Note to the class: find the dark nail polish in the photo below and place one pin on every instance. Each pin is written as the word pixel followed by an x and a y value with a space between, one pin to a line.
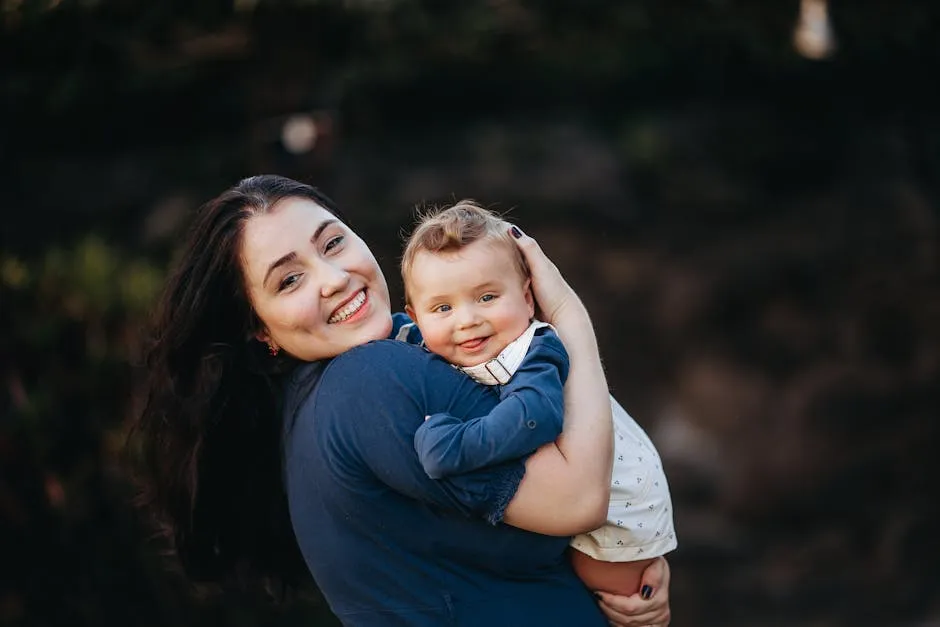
pixel 646 592
pixel 515 232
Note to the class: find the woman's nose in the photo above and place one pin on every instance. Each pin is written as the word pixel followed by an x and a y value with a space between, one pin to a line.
pixel 335 280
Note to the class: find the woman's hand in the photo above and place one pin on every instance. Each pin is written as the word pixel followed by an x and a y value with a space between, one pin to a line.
pixel 634 610
pixel 552 293
pixel 566 487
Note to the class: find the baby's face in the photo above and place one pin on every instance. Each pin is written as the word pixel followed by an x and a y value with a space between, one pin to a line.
pixel 469 304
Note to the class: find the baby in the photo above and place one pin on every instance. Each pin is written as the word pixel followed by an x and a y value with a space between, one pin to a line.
pixel 467 287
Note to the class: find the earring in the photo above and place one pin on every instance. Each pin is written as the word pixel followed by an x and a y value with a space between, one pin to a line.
pixel 273 350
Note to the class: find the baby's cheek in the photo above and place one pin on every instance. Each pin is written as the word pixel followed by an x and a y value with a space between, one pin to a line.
pixel 515 322
pixel 436 343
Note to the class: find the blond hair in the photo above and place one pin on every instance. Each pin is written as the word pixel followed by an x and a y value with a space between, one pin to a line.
pixel 451 228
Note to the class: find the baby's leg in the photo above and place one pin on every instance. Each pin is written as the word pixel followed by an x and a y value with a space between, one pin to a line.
pixel 615 577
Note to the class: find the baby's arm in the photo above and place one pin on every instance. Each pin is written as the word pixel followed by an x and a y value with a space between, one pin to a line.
pixel 530 413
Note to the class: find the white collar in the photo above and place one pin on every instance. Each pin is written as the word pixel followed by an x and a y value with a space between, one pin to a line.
pixel 499 370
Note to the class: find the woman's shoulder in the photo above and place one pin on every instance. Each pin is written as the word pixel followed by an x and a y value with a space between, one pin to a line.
pixel 352 383
pixel 377 352
pixel 384 363
pixel 375 359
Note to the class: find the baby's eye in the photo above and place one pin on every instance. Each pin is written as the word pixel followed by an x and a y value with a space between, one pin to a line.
pixel 289 281
pixel 488 297
pixel 441 309
pixel 334 242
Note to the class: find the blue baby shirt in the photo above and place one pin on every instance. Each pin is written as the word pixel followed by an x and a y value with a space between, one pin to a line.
pixel 530 413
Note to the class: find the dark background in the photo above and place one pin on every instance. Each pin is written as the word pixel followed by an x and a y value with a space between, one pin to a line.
pixel 755 233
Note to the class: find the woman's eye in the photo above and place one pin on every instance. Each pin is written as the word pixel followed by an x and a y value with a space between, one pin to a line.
pixel 334 242
pixel 488 297
pixel 287 282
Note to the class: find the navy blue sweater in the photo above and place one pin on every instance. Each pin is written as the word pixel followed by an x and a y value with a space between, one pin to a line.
pixel 386 544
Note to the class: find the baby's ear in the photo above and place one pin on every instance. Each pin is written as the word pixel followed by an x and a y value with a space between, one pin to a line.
pixel 410 311
pixel 529 299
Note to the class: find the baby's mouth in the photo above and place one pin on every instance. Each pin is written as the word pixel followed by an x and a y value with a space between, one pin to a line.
pixel 474 344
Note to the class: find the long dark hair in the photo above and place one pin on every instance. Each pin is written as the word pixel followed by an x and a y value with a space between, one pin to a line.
pixel 206 446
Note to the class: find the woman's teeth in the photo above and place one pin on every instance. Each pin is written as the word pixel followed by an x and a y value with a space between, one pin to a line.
pixel 349 309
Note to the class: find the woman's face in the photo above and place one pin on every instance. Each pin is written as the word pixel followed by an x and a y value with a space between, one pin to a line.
pixel 314 283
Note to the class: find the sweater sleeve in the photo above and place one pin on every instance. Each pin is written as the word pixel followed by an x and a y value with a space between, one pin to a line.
pixel 364 414
pixel 530 413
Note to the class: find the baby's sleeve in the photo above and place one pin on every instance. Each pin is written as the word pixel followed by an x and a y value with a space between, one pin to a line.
pixel 530 413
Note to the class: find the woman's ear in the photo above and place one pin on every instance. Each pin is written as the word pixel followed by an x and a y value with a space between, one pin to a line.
pixel 529 299
pixel 265 338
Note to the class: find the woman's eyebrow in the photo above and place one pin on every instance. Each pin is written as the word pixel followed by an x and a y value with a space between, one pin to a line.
pixel 322 227
pixel 277 264
pixel 292 255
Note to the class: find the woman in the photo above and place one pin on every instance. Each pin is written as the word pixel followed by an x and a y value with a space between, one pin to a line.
pixel 279 417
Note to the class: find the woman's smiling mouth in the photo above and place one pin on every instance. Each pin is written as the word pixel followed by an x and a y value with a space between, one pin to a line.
pixel 349 308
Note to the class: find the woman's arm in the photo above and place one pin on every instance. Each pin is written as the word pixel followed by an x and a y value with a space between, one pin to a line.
pixel 566 488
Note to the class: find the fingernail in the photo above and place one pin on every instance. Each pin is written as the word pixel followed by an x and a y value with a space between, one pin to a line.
pixel 515 232
pixel 646 592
